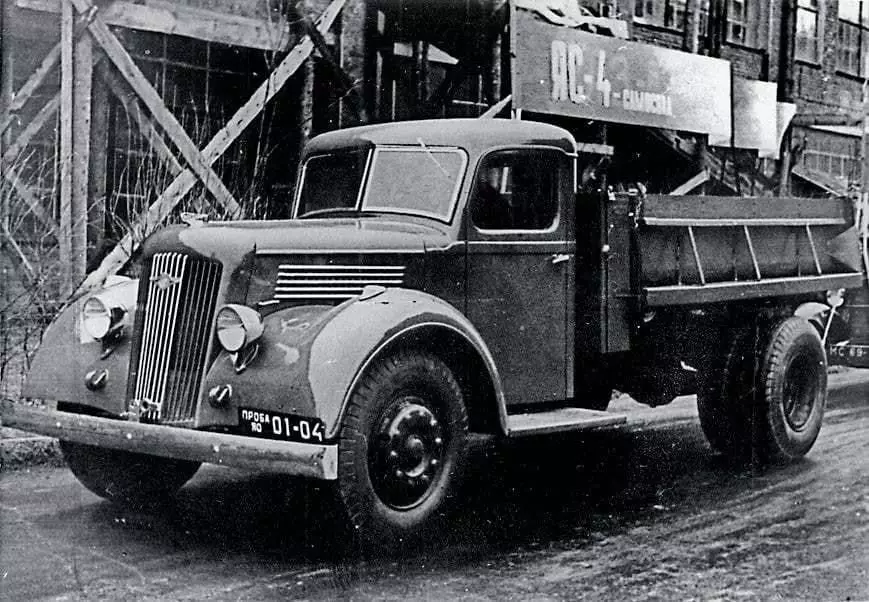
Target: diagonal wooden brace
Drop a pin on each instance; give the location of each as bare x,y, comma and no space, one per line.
37,77
162,115
182,184
12,152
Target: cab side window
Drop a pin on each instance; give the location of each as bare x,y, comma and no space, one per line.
517,190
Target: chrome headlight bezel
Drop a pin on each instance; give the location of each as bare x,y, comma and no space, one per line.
105,314
237,327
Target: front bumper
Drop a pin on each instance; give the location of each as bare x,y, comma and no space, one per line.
303,459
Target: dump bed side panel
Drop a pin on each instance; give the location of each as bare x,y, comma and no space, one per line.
702,249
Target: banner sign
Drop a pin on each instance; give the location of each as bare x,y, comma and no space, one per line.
759,121
564,71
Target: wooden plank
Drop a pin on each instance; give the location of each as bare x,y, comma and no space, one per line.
348,86
356,40
67,79
182,184
45,113
595,149
175,18
20,98
100,149
719,292
496,108
163,116
82,90
10,155
691,184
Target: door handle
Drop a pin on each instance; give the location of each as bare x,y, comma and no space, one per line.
557,258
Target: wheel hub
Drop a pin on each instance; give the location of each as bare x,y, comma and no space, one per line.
799,393
409,452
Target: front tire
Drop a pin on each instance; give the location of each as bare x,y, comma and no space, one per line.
126,477
402,448
793,382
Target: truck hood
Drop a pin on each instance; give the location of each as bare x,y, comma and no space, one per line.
228,242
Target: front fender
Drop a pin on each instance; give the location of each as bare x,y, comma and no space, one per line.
65,356
311,357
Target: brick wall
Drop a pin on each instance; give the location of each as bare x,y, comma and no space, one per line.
821,87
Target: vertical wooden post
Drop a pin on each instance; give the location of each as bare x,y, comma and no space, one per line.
76,59
306,106
6,91
99,149
422,73
356,54
67,75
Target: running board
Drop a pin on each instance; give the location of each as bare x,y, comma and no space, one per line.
561,420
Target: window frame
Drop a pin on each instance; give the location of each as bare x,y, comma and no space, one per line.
814,8
300,181
824,151
743,20
856,51
553,227
447,218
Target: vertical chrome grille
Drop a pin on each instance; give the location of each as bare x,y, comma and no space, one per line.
174,338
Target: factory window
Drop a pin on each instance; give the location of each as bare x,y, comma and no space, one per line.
808,30
669,13
853,42
832,154
738,18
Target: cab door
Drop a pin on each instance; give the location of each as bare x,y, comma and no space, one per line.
518,265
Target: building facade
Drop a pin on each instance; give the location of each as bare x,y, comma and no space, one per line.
386,60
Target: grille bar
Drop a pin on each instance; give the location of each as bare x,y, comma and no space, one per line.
176,331
300,282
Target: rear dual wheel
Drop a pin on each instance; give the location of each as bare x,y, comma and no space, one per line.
793,384
402,448
765,399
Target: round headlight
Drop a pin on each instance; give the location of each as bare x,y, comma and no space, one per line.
230,330
96,318
237,326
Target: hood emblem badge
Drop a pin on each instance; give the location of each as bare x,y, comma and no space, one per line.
165,281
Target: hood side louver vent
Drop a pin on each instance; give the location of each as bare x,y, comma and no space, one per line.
332,283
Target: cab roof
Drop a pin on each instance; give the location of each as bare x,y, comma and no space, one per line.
473,135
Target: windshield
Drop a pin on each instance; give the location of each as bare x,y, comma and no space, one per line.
332,182
412,180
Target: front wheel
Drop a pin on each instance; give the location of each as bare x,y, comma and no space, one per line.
402,448
793,384
126,477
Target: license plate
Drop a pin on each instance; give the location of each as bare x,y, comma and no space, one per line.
275,425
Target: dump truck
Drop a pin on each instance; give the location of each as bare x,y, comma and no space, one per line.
440,281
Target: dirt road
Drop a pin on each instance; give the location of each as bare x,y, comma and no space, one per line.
646,514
